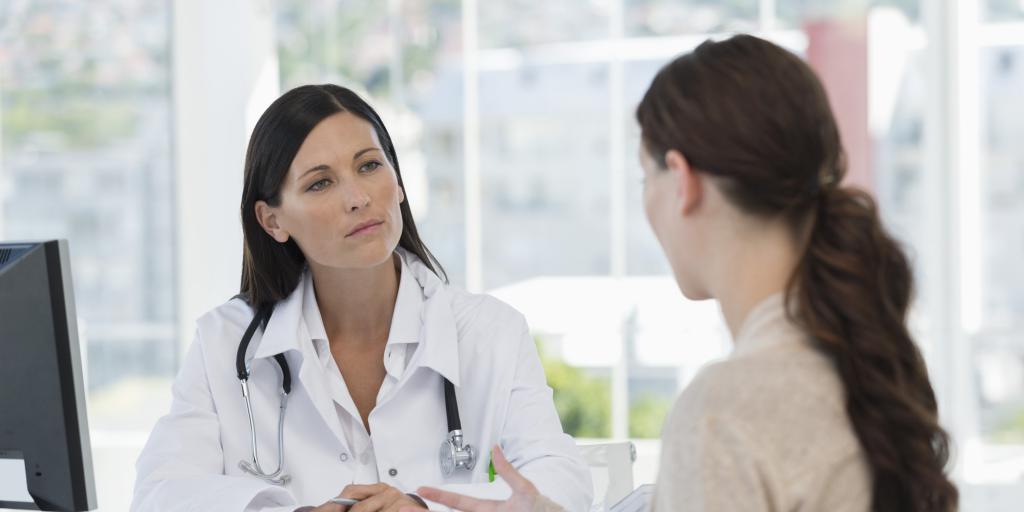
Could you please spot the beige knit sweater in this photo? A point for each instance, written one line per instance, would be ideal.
(766, 429)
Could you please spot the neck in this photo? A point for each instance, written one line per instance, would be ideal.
(357, 305)
(757, 264)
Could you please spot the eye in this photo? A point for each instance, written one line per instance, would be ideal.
(319, 185)
(370, 166)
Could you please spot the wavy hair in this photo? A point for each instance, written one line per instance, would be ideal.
(756, 117)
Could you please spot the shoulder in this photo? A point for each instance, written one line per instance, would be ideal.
(222, 327)
(780, 401)
(490, 332)
(772, 382)
(479, 312)
(235, 314)
(472, 313)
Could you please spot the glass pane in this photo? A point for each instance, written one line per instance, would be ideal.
(545, 199)
(901, 177)
(513, 23)
(409, 62)
(644, 256)
(431, 148)
(1003, 10)
(673, 17)
(86, 156)
(667, 339)
(347, 42)
(582, 395)
(796, 13)
(545, 172)
(1000, 345)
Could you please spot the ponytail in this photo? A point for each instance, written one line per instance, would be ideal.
(851, 292)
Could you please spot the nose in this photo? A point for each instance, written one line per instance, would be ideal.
(355, 197)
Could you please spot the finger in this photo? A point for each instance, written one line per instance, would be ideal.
(403, 503)
(378, 502)
(331, 507)
(456, 501)
(412, 508)
(362, 492)
(512, 477)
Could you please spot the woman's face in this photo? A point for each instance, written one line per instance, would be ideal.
(676, 209)
(340, 199)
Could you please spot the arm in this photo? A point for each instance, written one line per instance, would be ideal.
(182, 464)
(709, 464)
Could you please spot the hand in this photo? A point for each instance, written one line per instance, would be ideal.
(525, 497)
(373, 498)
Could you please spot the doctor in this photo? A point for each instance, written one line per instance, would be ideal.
(347, 367)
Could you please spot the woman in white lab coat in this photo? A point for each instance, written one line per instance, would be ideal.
(363, 333)
(825, 401)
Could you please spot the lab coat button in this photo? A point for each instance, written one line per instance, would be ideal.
(393, 472)
(343, 457)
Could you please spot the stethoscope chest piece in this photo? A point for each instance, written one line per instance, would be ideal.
(454, 454)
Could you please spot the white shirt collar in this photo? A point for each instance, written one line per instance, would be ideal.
(424, 317)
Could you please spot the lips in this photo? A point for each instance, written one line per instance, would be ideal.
(363, 226)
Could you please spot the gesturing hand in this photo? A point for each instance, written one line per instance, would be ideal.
(525, 497)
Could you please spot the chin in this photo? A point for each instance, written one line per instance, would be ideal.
(691, 290)
(692, 294)
(362, 256)
(374, 254)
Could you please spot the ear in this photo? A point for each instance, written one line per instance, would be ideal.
(688, 183)
(267, 217)
(401, 194)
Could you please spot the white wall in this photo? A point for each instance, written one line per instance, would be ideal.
(225, 75)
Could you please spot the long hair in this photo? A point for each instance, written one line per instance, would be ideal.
(756, 117)
(271, 270)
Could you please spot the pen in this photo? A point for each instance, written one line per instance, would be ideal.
(344, 501)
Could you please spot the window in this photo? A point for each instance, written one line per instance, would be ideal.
(560, 230)
(513, 122)
(85, 116)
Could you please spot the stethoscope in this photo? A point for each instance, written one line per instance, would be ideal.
(454, 453)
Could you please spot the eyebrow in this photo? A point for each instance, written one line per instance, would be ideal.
(363, 152)
(324, 167)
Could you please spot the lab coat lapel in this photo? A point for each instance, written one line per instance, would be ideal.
(313, 382)
(439, 350)
(287, 332)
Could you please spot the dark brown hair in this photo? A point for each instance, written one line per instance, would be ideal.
(271, 270)
(756, 117)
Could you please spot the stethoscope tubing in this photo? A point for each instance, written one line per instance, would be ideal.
(262, 318)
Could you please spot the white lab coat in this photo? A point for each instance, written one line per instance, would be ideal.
(479, 343)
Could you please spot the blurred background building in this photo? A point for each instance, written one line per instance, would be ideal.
(123, 125)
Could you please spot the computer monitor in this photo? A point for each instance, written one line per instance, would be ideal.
(42, 398)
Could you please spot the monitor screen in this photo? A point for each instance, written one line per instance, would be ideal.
(43, 426)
